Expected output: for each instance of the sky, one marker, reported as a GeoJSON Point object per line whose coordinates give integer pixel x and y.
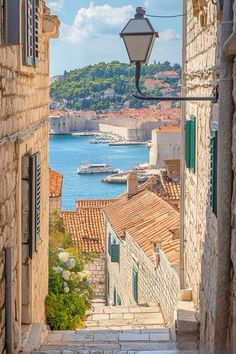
{"type": "Point", "coordinates": [89, 31]}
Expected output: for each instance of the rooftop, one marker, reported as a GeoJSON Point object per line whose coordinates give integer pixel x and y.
{"type": "Point", "coordinates": [55, 183]}
{"type": "Point", "coordinates": [86, 226]}
{"type": "Point", "coordinates": [148, 219]}
{"type": "Point", "coordinates": [93, 203]}
{"type": "Point", "coordinates": [168, 129]}
{"type": "Point", "coordinates": [173, 167]}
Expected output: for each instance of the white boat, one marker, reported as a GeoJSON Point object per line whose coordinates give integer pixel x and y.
{"type": "Point", "coordinates": [96, 168]}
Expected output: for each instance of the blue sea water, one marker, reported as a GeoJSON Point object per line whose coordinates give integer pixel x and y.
{"type": "Point", "coordinates": [67, 152]}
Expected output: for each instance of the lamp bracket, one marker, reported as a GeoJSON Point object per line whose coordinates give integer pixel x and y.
{"type": "Point", "coordinates": [140, 95]}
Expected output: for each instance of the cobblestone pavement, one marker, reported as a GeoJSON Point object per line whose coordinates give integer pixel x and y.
{"type": "Point", "coordinates": [115, 330]}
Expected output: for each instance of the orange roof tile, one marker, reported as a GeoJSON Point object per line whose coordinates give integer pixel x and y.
{"type": "Point", "coordinates": [86, 227]}
{"type": "Point", "coordinates": [148, 219]}
{"type": "Point", "coordinates": [57, 113]}
{"type": "Point", "coordinates": [93, 203]}
{"type": "Point", "coordinates": [55, 183]}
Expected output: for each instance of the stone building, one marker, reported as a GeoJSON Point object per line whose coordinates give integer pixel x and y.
{"type": "Point", "coordinates": [55, 189]}
{"type": "Point", "coordinates": [24, 91]}
{"type": "Point", "coordinates": [208, 261]}
{"type": "Point", "coordinates": [165, 145]}
{"type": "Point", "coordinates": [86, 227]}
{"type": "Point", "coordinates": [142, 249]}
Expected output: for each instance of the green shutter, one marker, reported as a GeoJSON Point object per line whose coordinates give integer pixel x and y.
{"type": "Point", "coordinates": [115, 253]}
{"type": "Point", "coordinates": [114, 297]}
{"type": "Point", "coordinates": [109, 244]}
{"type": "Point", "coordinates": [213, 172]}
{"type": "Point", "coordinates": [135, 284]}
{"type": "Point", "coordinates": [108, 283]}
{"type": "Point", "coordinates": [34, 203]}
{"type": "Point", "coordinates": [31, 32]}
{"type": "Point", "coordinates": [192, 157]}
{"type": "Point", "coordinates": [118, 300]}
{"type": "Point", "coordinates": [190, 143]}
{"type": "Point", "coordinates": [187, 143]}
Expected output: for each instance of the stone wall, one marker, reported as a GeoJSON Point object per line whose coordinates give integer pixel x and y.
{"type": "Point", "coordinates": [23, 131]}
{"type": "Point", "coordinates": [97, 275]}
{"type": "Point", "coordinates": [165, 146]}
{"type": "Point", "coordinates": [55, 203]}
{"type": "Point", "coordinates": [200, 253]}
{"type": "Point", "coordinates": [72, 123]}
{"type": "Point", "coordinates": [156, 286]}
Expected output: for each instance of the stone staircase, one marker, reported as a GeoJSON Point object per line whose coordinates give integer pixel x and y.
{"type": "Point", "coordinates": [114, 330]}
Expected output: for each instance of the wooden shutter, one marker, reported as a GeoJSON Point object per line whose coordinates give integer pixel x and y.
{"type": "Point", "coordinates": [34, 201]}
{"type": "Point", "coordinates": [135, 284]}
{"type": "Point", "coordinates": [115, 253]}
{"type": "Point", "coordinates": [187, 143]}
{"type": "Point", "coordinates": [31, 32]}
{"type": "Point", "coordinates": [11, 22]}
{"type": "Point", "coordinates": [114, 297]}
{"type": "Point", "coordinates": [213, 171]}
{"type": "Point", "coordinates": [192, 157]}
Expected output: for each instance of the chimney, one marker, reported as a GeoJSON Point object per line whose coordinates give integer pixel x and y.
{"type": "Point", "coordinates": [132, 184]}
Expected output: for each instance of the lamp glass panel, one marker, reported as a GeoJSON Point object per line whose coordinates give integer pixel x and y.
{"type": "Point", "coordinates": [138, 47]}
{"type": "Point", "coordinates": [137, 26]}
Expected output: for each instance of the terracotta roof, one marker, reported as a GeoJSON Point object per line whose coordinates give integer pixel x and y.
{"type": "Point", "coordinates": [168, 189]}
{"type": "Point", "coordinates": [147, 218]}
{"type": "Point", "coordinates": [93, 203]}
{"type": "Point", "coordinates": [173, 167]}
{"type": "Point", "coordinates": [57, 113]}
{"type": "Point", "coordinates": [86, 227]}
{"type": "Point", "coordinates": [55, 183]}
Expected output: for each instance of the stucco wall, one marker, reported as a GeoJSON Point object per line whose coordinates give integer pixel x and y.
{"type": "Point", "coordinates": [164, 146]}
{"type": "Point", "coordinates": [156, 286]}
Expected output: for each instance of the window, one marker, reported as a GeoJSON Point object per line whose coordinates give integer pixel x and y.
{"type": "Point", "coordinates": [109, 244]}
{"type": "Point", "coordinates": [213, 171]}
{"type": "Point", "coordinates": [108, 283]}
{"type": "Point", "coordinates": [115, 253]}
{"type": "Point", "coordinates": [135, 284]}
{"type": "Point", "coordinates": [31, 32]}
{"type": "Point", "coordinates": [9, 22]}
{"type": "Point", "coordinates": [34, 202]}
{"type": "Point", "coordinates": [190, 143]}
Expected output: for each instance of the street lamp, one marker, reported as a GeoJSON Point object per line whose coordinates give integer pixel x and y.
{"type": "Point", "coordinates": [139, 37]}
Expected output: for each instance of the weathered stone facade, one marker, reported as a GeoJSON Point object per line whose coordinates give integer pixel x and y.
{"type": "Point", "coordinates": [98, 275]}
{"type": "Point", "coordinates": [157, 285]}
{"type": "Point", "coordinates": [23, 131]}
{"type": "Point", "coordinates": [200, 225]}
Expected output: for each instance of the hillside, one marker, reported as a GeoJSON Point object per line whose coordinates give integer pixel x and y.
{"type": "Point", "coordinates": [104, 86]}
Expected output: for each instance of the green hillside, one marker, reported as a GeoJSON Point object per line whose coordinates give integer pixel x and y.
{"type": "Point", "coordinates": [85, 88]}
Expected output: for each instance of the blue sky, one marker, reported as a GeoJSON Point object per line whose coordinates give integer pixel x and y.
{"type": "Point", "coordinates": [89, 31]}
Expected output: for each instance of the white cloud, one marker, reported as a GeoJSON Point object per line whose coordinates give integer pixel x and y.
{"type": "Point", "coordinates": [56, 5]}
{"type": "Point", "coordinates": [97, 21]}
{"type": "Point", "coordinates": [168, 35]}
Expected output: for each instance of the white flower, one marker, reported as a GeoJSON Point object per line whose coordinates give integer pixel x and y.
{"type": "Point", "coordinates": [65, 285]}
{"type": "Point", "coordinates": [66, 290]}
{"type": "Point", "coordinates": [66, 274]}
{"type": "Point", "coordinates": [63, 257]}
{"type": "Point", "coordinates": [71, 263]}
{"type": "Point", "coordinates": [58, 269]}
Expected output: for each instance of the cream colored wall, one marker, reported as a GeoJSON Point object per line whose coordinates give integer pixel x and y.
{"type": "Point", "coordinates": [23, 130]}
{"type": "Point", "coordinates": [164, 146]}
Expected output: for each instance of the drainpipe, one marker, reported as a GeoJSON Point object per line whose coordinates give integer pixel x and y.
{"type": "Point", "coordinates": [224, 185]}
{"type": "Point", "coordinates": [182, 165]}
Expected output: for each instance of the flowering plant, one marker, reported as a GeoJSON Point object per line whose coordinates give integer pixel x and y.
{"type": "Point", "coordinates": [70, 293]}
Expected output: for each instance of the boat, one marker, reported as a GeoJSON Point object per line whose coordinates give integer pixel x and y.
{"type": "Point", "coordinates": [96, 168]}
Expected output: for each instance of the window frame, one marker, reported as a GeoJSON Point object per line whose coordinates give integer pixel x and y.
{"type": "Point", "coordinates": [31, 45]}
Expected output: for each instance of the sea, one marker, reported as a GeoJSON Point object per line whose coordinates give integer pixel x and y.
{"type": "Point", "coordinates": [67, 152]}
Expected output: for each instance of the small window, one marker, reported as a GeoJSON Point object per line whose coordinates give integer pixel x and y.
{"type": "Point", "coordinates": [115, 253]}
{"type": "Point", "coordinates": [190, 143]}
{"type": "Point", "coordinates": [34, 202]}
{"type": "Point", "coordinates": [135, 284]}
{"type": "Point", "coordinates": [31, 32]}
{"type": "Point", "coordinates": [9, 22]}
{"type": "Point", "coordinates": [213, 171]}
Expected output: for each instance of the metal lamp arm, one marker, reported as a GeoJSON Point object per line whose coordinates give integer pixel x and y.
{"type": "Point", "coordinates": [140, 95]}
